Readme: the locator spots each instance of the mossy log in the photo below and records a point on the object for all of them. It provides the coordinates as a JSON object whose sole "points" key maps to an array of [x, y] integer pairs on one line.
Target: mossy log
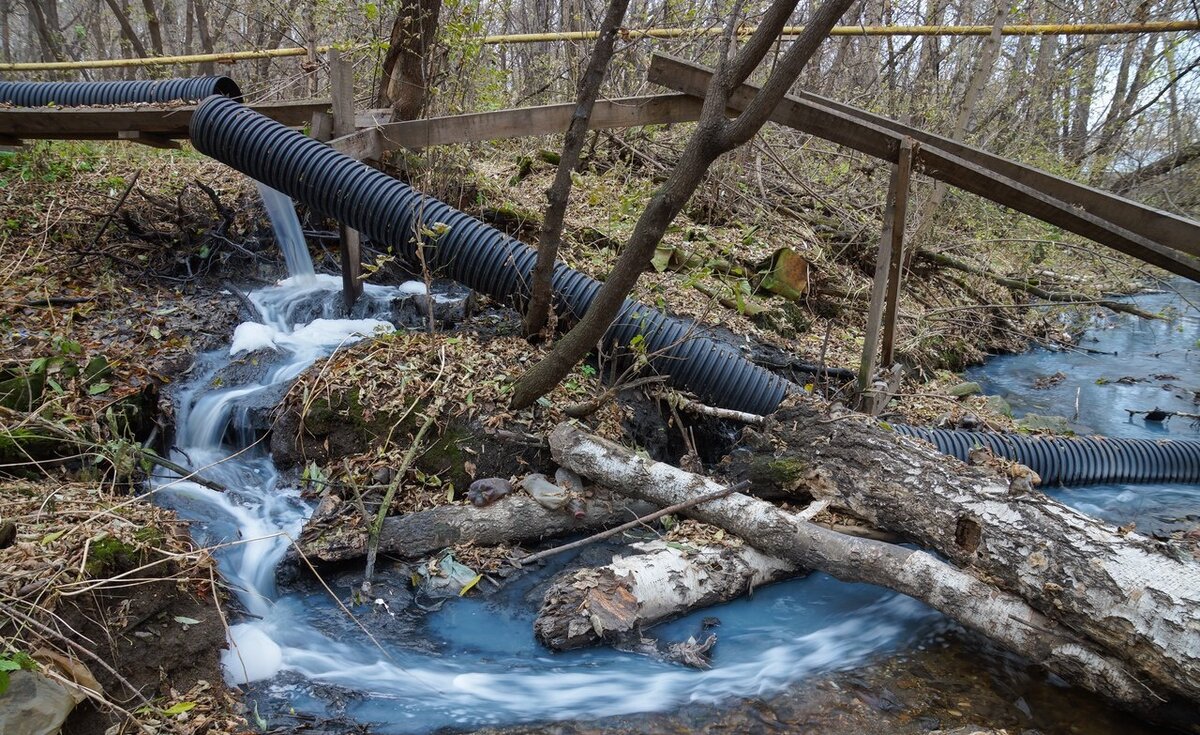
{"points": [[515, 519]]}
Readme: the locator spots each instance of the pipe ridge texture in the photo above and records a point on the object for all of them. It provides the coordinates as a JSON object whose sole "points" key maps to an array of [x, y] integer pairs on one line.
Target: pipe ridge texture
{"points": [[1076, 461], [75, 94], [460, 247]]}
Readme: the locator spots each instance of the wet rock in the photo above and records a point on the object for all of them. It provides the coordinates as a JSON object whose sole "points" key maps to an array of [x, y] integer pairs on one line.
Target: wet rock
{"points": [[1050, 424], [1000, 405], [35, 705], [962, 390], [488, 490]]}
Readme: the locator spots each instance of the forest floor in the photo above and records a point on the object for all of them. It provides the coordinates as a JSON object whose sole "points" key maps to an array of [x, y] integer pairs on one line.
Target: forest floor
{"points": [[119, 265]]}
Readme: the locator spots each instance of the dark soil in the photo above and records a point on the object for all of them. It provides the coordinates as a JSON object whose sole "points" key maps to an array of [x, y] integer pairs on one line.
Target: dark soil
{"points": [[139, 634]]}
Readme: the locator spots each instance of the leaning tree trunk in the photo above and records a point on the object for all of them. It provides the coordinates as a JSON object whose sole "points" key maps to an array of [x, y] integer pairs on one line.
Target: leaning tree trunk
{"points": [[1138, 676]]}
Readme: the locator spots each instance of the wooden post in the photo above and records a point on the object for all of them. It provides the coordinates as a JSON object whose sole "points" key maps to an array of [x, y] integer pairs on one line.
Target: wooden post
{"points": [[341, 79], [902, 174], [883, 260]]}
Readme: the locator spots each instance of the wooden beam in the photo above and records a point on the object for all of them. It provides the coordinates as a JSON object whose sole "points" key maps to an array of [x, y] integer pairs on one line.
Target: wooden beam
{"points": [[867, 137], [879, 287], [341, 85], [88, 123], [544, 120], [351, 265], [891, 308], [148, 139]]}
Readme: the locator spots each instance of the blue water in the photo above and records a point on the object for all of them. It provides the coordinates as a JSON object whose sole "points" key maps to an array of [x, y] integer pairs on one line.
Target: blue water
{"points": [[1160, 361]]}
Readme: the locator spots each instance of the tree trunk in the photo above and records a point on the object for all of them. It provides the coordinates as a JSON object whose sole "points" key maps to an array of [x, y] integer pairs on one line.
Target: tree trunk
{"points": [[559, 193], [1155, 656], [202, 30], [6, 31], [153, 26], [1131, 595], [713, 137], [1156, 168], [404, 81], [657, 583], [127, 31], [331, 536], [979, 79]]}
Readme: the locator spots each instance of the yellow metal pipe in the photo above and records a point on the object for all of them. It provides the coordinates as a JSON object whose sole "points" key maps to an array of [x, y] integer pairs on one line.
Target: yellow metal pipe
{"points": [[1085, 29]]}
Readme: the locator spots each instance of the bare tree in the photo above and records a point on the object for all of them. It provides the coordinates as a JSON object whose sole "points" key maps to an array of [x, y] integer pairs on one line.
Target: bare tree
{"points": [[560, 192], [714, 136]]}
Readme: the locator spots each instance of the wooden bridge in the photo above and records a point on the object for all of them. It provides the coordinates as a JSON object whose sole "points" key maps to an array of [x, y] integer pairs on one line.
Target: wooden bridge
{"points": [[1157, 237]]}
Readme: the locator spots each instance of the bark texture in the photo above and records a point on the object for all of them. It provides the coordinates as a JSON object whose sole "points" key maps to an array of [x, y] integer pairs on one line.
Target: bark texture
{"points": [[1116, 672], [656, 583], [406, 68], [511, 520], [1128, 593]]}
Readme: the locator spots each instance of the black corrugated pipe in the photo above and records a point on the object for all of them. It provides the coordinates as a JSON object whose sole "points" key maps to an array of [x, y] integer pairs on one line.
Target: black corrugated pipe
{"points": [[76, 94], [1076, 461], [461, 247]]}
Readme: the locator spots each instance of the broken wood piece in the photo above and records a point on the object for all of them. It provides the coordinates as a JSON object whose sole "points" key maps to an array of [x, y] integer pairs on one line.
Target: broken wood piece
{"points": [[683, 403], [148, 139], [660, 581], [1139, 677], [515, 519]]}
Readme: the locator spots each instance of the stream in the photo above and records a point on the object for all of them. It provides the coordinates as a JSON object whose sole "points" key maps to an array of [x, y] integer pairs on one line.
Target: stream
{"points": [[474, 662]]}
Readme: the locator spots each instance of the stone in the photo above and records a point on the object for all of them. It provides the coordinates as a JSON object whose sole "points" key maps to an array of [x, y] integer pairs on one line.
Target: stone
{"points": [[34, 705], [1000, 405], [1051, 424], [962, 390]]}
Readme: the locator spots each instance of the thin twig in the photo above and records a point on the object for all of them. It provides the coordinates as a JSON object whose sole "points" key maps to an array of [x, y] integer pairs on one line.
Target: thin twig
{"points": [[381, 514], [528, 558]]}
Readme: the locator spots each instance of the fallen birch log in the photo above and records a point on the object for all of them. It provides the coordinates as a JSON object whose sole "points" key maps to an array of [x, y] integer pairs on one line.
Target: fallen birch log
{"points": [[515, 519], [1001, 616], [658, 582], [1133, 596]]}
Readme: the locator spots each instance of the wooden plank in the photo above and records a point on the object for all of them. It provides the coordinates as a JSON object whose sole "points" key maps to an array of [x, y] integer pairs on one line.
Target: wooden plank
{"points": [[89, 123], [1165, 228], [891, 308], [321, 127], [883, 259], [874, 140], [341, 88], [545, 120]]}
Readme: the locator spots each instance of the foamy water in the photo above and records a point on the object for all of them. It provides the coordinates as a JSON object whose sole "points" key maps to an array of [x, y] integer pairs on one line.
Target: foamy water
{"points": [[473, 662]]}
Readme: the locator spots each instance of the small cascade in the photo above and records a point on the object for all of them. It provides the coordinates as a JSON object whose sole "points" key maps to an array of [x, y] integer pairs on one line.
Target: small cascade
{"points": [[472, 662], [288, 233]]}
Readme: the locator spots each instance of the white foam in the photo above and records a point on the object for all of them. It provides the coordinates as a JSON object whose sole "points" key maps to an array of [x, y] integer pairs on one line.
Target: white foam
{"points": [[415, 288], [252, 336], [333, 332], [251, 656]]}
